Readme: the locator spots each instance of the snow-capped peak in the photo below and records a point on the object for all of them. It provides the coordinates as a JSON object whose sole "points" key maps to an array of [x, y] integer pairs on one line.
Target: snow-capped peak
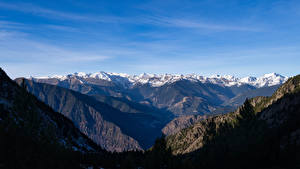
{"points": [[272, 75], [100, 75], [155, 80], [271, 79], [248, 79], [80, 74]]}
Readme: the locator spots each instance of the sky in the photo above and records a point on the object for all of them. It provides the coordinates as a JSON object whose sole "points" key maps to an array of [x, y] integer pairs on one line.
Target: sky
{"points": [[206, 37]]}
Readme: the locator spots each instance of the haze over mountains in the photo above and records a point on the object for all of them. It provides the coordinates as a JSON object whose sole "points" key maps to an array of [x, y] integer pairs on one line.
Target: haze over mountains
{"points": [[140, 108]]}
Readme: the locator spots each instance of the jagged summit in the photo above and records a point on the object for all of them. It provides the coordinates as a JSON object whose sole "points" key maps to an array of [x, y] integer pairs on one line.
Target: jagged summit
{"points": [[157, 80]]}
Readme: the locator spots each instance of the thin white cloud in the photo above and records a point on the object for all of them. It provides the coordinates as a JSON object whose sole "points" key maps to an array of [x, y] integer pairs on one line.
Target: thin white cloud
{"points": [[10, 25], [194, 24], [151, 20], [61, 28], [17, 47], [4, 34], [48, 13]]}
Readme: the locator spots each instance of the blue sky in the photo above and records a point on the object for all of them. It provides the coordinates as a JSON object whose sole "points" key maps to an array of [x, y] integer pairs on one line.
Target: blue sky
{"points": [[237, 37]]}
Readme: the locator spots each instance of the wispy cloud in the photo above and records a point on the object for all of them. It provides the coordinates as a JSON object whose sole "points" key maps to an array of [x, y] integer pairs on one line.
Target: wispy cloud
{"points": [[54, 14], [10, 25], [4, 34], [194, 24], [17, 47], [161, 21], [61, 28]]}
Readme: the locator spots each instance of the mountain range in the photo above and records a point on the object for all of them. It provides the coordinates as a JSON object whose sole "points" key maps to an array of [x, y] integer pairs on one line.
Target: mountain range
{"points": [[155, 80], [49, 126], [178, 94], [122, 112]]}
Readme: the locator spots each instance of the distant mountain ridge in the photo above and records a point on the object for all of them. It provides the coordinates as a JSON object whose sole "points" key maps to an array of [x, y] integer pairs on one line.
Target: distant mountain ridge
{"points": [[155, 80], [178, 94]]}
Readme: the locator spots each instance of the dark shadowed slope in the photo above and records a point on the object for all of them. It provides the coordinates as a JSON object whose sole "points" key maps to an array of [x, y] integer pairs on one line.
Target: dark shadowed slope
{"points": [[32, 134]]}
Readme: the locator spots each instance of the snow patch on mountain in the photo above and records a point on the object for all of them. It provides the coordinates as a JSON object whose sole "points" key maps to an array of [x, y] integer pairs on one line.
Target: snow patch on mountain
{"points": [[155, 80]]}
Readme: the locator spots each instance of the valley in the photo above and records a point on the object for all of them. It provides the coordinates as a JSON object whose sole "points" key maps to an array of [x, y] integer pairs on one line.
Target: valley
{"points": [[141, 108]]}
